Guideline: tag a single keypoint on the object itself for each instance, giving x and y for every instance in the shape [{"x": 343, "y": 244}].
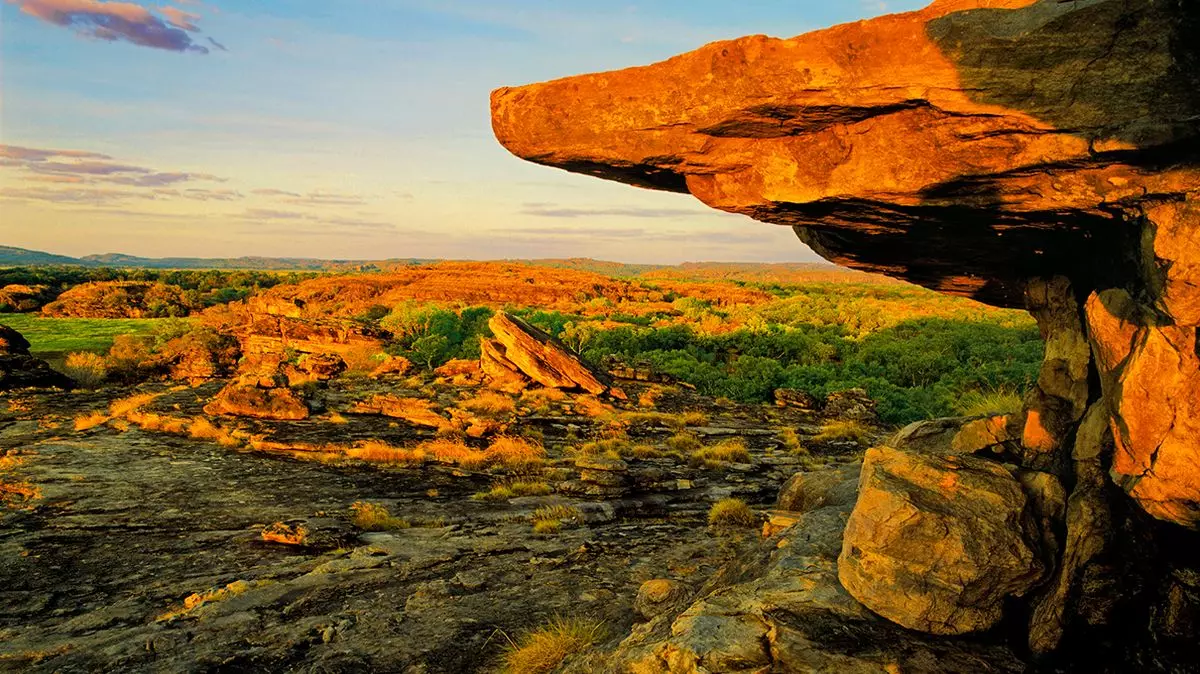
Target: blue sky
[{"x": 351, "y": 129}]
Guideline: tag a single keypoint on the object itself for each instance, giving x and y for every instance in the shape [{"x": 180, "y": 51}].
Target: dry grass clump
[
  {"x": 590, "y": 406},
  {"x": 684, "y": 443},
  {"x": 163, "y": 423},
  {"x": 844, "y": 431},
  {"x": 614, "y": 448},
  {"x": 730, "y": 450},
  {"x": 791, "y": 441},
  {"x": 378, "y": 451},
  {"x": 203, "y": 429},
  {"x": 690, "y": 418},
  {"x": 514, "y": 452},
  {"x": 90, "y": 420},
  {"x": 126, "y": 405},
  {"x": 285, "y": 534},
  {"x": 490, "y": 404},
  {"x": 544, "y": 649},
  {"x": 541, "y": 400},
  {"x": 87, "y": 369},
  {"x": 550, "y": 519},
  {"x": 375, "y": 517},
  {"x": 502, "y": 491},
  {"x": 980, "y": 403},
  {"x": 731, "y": 512}
]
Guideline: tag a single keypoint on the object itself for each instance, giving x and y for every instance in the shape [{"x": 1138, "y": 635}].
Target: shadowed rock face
[{"x": 965, "y": 147}]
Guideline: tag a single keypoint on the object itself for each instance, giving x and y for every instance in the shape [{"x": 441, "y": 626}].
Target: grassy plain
[{"x": 53, "y": 338}]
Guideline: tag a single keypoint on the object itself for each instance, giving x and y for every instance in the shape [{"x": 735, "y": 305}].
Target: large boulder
[
  {"x": 19, "y": 369},
  {"x": 937, "y": 543},
  {"x": 16, "y": 297},
  {"x": 520, "y": 347}
]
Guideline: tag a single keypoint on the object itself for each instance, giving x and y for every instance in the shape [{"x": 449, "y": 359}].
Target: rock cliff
[{"x": 1032, "y": 153}]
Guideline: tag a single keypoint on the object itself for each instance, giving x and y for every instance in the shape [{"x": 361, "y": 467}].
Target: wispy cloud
[
  {"x": 553, "y": 211},
  {"x": 81, "y": 166},
  {"x": 171, "y": 28}
]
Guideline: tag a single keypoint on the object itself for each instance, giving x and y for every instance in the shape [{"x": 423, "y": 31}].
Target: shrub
[
  {"x": 285, "y": 534},
  {"x": 375, "y": 517},
  {"x": 544, "y": 649},
  {"x": 731, "y": 512},
  {"x": 87, "y": 369}
]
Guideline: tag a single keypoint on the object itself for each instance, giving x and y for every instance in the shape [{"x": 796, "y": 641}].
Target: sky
[{"x": 355, "y": 129}]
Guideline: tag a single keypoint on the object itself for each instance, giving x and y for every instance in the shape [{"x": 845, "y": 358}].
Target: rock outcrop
[
  {"x": 19, "y": 369},
  {"x": 259, "y": 398},
  {"x": 121, "y": 299},
  {"x": 1030, "y": 153},
  {"x": 16, "y": 297},
  {"x": 519, "y": 349}
]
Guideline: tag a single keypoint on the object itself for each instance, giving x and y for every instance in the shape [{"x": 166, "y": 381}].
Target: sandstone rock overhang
[{"x": 966, "y": 147}]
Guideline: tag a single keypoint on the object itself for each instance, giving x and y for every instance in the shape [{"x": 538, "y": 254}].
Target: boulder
[
  {"x": 658, "y": 596},
  {"x": 853, "y": 404},
  {"x": 540, "y": 357},
  {"x": 416, "y": 411},
  {"x": 19, "y": 369},
  {"x": 252, "y": 397},
  {"x": 811, "y": 490},
  {"x": 21, "y": 298},
  {"x": 937, "y": 543},
  {"x": 391, "y": 365},
  {"x": 801, "y": 400},
  {"x": 500, "y": 372}
]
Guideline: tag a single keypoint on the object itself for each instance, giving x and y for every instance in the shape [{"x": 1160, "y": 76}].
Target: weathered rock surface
[
  {"x": 937, "y": 543},
  {"x": 18, "y": 369},
  {"x": 520, "y": 347}
]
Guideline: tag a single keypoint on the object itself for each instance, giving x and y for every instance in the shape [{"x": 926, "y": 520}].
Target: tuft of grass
[
  {"x": 490, "y": 404},
  {"x": 731, "y": 512},
  {"x": 684, "y": 443},
  {"x": 791, "y": 441},
  {"x": 990, "y": 403},
  {"x": 502, "y": 491},
  {"x": 84, "y": 422},
  {"x": 514, "y": 452},
  {"x": 844, "y": 431},
  {"x": 87, "y": 369},
  {"x": 730, "y": 450},
  {"x": 550, "y": 519},
  {"x": 375, "y": 517},
  {"x": 126, "y": 405},
  {"x": 203, "y": 429},
  {"x": 544, "y": 649}
]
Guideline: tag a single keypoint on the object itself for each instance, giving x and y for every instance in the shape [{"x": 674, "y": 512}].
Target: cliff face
[{"x": 1035, "y": 153}]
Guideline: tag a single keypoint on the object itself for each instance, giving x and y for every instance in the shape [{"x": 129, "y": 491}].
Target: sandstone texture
[
  {"x": 18, "y": 369},
  {"x": 937, "y": 543},
  {"x": 520, "y": 348}
]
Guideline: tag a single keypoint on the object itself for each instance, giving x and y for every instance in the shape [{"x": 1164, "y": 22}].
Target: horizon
[{"x": 205, "y": 129}]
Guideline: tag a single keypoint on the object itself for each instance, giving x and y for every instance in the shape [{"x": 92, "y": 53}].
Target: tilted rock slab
[
  {"x": 537, "y": 356},
  {"x": 1019, "y": 152}
]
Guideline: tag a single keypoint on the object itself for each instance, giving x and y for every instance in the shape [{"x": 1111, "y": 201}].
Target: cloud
[
  {"x": 314, "y": 198},
  {"x": 552, "y": 211},
  {"x": 80, "y": 166},
  {"x": 74, "y": 195},
  {"x": 170, "y": 29}
]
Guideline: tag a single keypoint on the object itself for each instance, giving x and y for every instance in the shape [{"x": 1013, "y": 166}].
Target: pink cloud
[{"x": 120, "y": 21}]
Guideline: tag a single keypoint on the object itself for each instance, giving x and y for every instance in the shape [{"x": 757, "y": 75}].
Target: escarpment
[{"x": 1025, "y": 153}]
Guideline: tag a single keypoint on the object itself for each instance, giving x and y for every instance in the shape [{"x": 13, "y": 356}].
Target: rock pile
[{"x": 521, "y": 353}]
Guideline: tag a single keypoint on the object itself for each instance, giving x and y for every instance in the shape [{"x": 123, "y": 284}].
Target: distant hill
[
  {"x": 260, "y": 263},
  {"x": 761, "y": 272},
  {"x": 11, "y": 256}
]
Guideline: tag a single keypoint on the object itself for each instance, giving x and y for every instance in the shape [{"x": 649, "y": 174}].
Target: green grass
[{"x": 54, "y": 338}]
